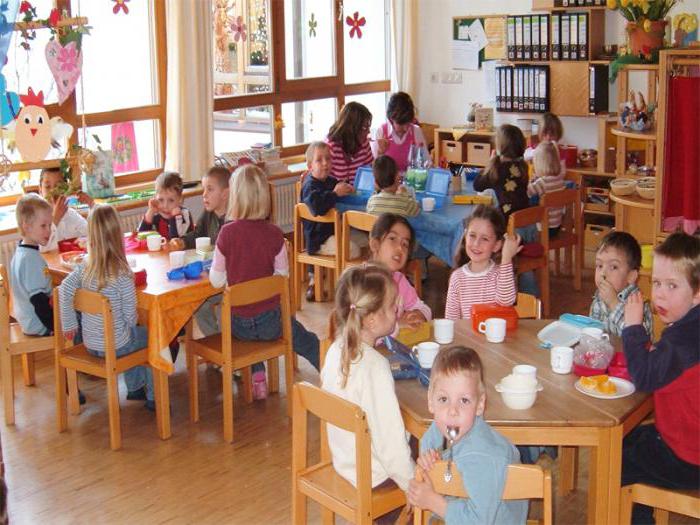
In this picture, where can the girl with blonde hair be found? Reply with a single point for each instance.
(365, 310)
(107, 271)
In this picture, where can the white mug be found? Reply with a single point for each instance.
(525, 370)
(155, 242)
(201, 243)
(177, 259)
(595, 333)
(428, 203)
(444, 330)
(494, 328)
(562, 359)
(426, 353)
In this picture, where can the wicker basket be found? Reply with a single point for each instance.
(623, 186)
(646, 190)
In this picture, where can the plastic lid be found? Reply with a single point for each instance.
(438, 181)
(364, 179)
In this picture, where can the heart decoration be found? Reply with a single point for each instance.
(66, 65)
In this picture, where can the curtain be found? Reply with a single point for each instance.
(189, 142)
(680, 206)
(404, 48)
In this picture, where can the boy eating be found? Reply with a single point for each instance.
(666, 453)
(617, 264)
(456, 398)
(165, 213)
(392, 198)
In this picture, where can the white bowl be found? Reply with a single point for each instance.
(518, 400)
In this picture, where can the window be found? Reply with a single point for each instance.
(306, 78)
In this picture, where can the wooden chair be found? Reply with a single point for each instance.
(686, 502)
(301, 257)
(320, 481)
(359, 220)
(14, 342)
(230, 354)
(526, 217)
(76, 358)
(570, 236)
(528, 306)
(522, 482)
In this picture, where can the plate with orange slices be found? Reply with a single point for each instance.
(605, 387)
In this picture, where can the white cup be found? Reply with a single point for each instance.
(525, 370)
(201, 243)
(595, 333)
(428, 204)
(444, 330)
(155, 242)
(426, 353)
(177, 259)
(131, 261)
(562, 359)
(494, 328)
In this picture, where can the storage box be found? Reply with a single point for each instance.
(593, 235)
(597, 199)
(481, 312)
(452, 150)
(478, 153)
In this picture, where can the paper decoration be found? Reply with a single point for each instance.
(313, 23)
(355, 23)
(238, 28)
(33, 129)
(66, 64)
(120, 5)
(8, 13)
(9, 103)
(99, 181)
(60, 130)
(124, 148)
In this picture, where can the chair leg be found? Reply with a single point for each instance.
(61, 398)
(299, 515)
(8, 385)
(273, 375)
(193, 380)
(247, 384)
(227, 378)
(578, 267)
(568, 251)
(544, 291)
(557, 262)
(115, 432)
(327, 516)
(661, 516)
(28, 369)
(296, 362)
(289, 366)
(568, 464)
(318, 282)
(626, 505)
(73, 396)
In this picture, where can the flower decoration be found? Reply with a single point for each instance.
(313, 23)
(355, 22)
(239, 29)
(54, 17)
(67, 58)
(279, 123)
(120, 5)
(640, 11)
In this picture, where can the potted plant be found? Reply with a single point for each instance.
(646, 22)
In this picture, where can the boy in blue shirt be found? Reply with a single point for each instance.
(456, 399)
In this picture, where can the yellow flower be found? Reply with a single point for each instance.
(644, 4)
(624, 3)
(612, 4)
(647, 25)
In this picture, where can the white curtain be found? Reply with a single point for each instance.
(190, 143)
(404, 48)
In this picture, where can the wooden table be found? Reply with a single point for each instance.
(560, 416)
(165, 307)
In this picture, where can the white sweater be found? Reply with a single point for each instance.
(71, 225)
(371, 386)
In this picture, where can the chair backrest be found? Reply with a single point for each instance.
(528, 216)
(359, 220)
(522, 482)
(301, 211)
(570, 200)
(528, 306)
(5, 306)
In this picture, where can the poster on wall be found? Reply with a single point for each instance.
(484, 35)
(126, 157)
(99, 183)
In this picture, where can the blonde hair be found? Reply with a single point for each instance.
(546, 160)
(457, 360)
(361, 291)
(28, 207)
(107, 259)
(311, 150)
(249, 196)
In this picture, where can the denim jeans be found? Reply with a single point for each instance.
(267, 326)
(138, 376)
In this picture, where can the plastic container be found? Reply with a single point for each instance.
(581, 370)
(560, 333)
(518, 399)
(364, 187)
(437, 186)
(481, 312)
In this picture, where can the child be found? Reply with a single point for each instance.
(365, 310)
(67, 222)
(348, 141)
(165, 213)
(507, 171)
(478, 279)
(550, 130)
(29, 279)
(666, 453)
(319, 192)
(391, 197)
(391, 241)
(396, 136)
(456, 398)
(617, 264)
(548, 177)
(248, 248)
(107, 271)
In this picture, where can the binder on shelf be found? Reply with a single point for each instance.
(598, 88)
(518, 38)
(511, 38)
(509, 89)
(537, 96)
(573, 36)
(519, 89)
(527, 37)
(499, 100)
(556, 36)
(565, 39)
(583, 36)
(544, 37)
(535, 38)
(531, 84)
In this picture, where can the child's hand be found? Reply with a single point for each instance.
(634, 309)
(60, 207)
(511, 246)
(85, 198)
(153, 208)
(382, 146)
(427, 459)
(412, 319)
(421, 494)
(70, 334)
(608, 294)
(342, 189)
(176, 211)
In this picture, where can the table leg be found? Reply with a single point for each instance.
(568, 469)
(615, 475)
(598, 479)
(162, 395)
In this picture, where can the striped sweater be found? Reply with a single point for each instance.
(496, 284)
(122, 296)
(547, 184)
(344, 167)
(398, 203)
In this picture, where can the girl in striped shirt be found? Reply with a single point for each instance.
(348, 140)
(478, 278)
(107, 271)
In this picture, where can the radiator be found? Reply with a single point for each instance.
(285, 198)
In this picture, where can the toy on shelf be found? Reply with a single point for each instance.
(635, 114)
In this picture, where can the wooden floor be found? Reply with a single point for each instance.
(193, 477)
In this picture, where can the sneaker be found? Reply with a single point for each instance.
(137, 395)
(81, 398)
(150, 405)
(174, 349)
(310, 293)
(259, 385)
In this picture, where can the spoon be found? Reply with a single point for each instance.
(451, 434)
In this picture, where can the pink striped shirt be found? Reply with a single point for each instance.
(547, 184)
(344, 167)
(496, 284)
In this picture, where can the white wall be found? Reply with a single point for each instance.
(447, 104)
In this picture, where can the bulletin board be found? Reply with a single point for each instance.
(495, 29)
